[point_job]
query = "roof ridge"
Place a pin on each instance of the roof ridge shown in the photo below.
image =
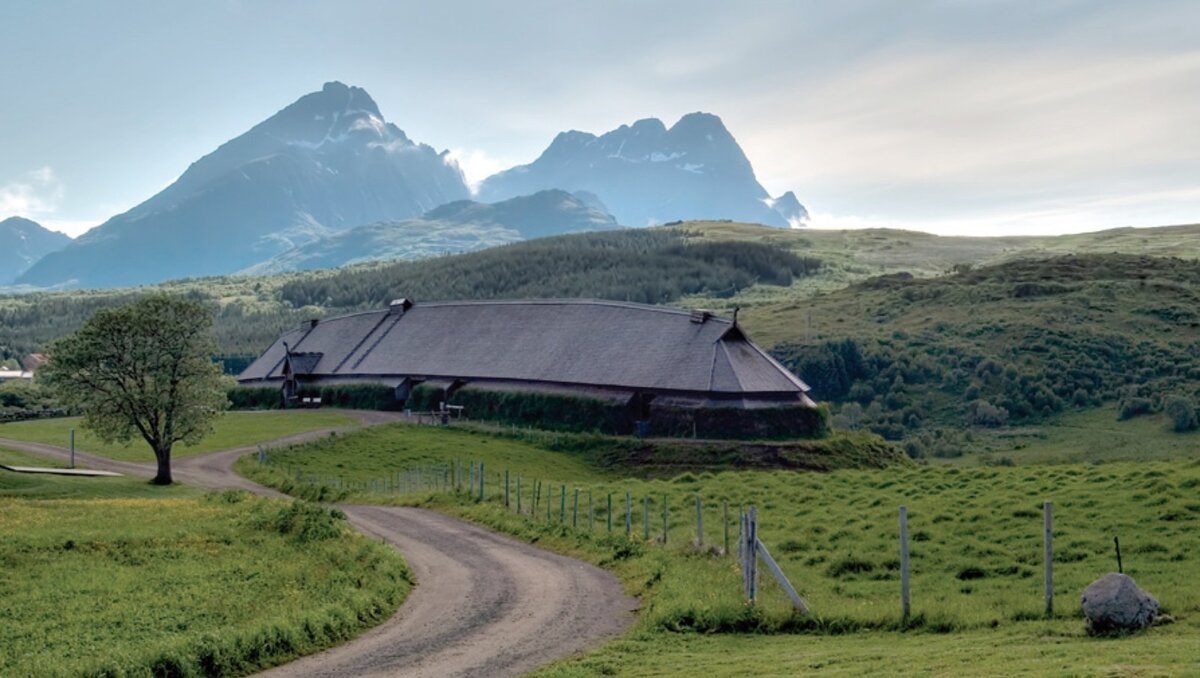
(568, 302)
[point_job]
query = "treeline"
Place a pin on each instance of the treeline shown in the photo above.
(1008, 344)
(649, 266)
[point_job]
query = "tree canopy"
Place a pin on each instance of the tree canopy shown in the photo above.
(145, 370)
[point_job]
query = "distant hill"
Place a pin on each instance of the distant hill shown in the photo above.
(648, 174)
(22, 243)
(460, 226)
(325, 163)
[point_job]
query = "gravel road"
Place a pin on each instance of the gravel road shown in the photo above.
(484, 604)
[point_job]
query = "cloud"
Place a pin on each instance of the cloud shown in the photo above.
(476, 165)
(34, 195)
(1152, 208)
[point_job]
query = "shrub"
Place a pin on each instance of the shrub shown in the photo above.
(1132, 407)
(1182, 414)
(983, 413)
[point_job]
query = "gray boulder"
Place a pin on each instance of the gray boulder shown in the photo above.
(1115, 604)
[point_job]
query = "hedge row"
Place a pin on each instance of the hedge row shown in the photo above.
(567, 413)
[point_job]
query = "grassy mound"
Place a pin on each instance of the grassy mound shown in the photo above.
(107, 581)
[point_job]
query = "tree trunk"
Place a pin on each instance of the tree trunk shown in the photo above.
(164, 467)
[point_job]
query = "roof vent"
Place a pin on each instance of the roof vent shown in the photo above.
(399, 306)
(699, 316)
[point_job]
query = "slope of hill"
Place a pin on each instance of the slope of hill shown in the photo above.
(327, 162)
(1010, 343)
(649, 174)
(22, 243)
(460, 226)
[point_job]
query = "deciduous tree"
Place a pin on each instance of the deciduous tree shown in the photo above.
(145, 370)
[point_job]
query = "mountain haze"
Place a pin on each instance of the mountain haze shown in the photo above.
(460, 226)
(649, 174)
(22, 243)
(325, 163)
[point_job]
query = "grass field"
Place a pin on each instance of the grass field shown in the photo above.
(1034, 649)
(113, 576)
(1086, 436)
(976, 556)
(233, 429)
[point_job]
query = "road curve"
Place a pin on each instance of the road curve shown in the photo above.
(484, 604)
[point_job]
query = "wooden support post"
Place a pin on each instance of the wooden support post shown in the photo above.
(610, 511)
(73, 448)
(797, 602)
(646, 518)
(549, 503)
(664, 517)
(905, 603)
(481, 481)
(751, 570)
(575, 510)
(562, 505)
(506, 503)
(628, 514)
(518, 494)
(725, 517)
(1048, 543)
(699, 522)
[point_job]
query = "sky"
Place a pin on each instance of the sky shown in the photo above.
(954, 117)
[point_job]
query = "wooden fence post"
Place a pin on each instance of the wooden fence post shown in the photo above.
(591, 515)
(506, 502)
(1048, 543)
(562, 508)
(725, 517)
(575, 510)
(751, 555)
(481, 481)
(610, 511)
(664, 517)
(905, 606)
(628, 514)
(646, 518)
(699, 523)
(518, 494)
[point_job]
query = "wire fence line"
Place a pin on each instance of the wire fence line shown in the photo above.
(618, 513)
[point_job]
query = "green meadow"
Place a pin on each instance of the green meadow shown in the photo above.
(115, 577)
(976, 549)
(233, 429)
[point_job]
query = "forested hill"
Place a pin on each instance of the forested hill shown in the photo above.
(650, 266)
(1014, 343)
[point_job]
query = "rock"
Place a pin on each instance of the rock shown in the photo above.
(1115, 604)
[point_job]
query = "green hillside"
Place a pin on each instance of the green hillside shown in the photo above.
(923, 334)
(1012, 343)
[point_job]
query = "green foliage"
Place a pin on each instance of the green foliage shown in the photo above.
(1011, 344)
(142, 370)
(352, 396)
(651, 266)
(1182, 412)
(1128, 408)
(20, 400)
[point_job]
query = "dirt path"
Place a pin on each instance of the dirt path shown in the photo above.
(485, 605)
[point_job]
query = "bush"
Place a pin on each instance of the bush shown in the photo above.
(1128, 408)
(983, 413)
(1182, 414)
